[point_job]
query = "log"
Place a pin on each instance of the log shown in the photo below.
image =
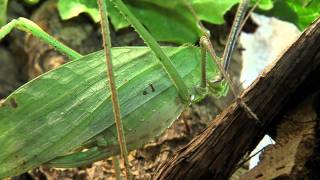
(215, 153)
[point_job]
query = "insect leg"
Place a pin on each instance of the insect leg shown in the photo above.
(26, 25)
(163, 58)
(3, 11)
(203, 82)
(207, 44)
(80, 158)
(102, 4)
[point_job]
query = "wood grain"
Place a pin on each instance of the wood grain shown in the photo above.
(214, 153)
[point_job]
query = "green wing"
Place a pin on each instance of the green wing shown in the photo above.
(63, 109)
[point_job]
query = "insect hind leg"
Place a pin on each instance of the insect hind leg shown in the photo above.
(26, 25)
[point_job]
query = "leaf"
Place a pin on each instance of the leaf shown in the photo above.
(116, 18)
(212, 10)
(172, 21)
(3, 12)
(167, 24)
(72, 8)
(264, 4)
(299, 12)
(31, 2)
(307, 11)
(207, 10)
(167, 20)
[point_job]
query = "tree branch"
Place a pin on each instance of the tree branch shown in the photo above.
(216, 151)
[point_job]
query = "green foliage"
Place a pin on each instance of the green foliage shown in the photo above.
(3, 12)
(73, 8)
(31, 2)
(264, 4)
(171, 20)
(167, 20)
(299, 12)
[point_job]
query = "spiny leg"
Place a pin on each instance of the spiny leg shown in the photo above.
(235, 31)
(102, 4)
(163, 58)
(205, 43)
(203, 82)
(26, 25)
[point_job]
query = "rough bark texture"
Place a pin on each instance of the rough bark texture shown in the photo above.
(296, 143)
(214, 154)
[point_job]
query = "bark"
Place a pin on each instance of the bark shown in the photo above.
(296, 145)
(215, 152)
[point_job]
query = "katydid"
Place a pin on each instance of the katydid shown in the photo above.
(51, 119)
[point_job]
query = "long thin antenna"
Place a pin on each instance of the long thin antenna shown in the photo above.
(248, 15)
(235, 29)
(237, 25)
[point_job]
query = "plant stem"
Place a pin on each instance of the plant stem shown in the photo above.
(114, 95)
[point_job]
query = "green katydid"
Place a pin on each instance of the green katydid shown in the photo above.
(51, 119)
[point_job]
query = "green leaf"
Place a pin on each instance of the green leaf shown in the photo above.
(264, 4)
(167, 20)
(116, 18)
(72, 8)
(212, 10)
(207, 10)
(3, 12)
(307, 11)
(299, 12)
(167, 24)
(31, 2)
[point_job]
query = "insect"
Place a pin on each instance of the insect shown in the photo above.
(52, 118)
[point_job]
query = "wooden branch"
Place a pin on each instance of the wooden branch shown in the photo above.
(295, 147)
(214, 153)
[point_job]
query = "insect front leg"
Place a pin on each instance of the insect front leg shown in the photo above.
(205, 43)
(26, 25)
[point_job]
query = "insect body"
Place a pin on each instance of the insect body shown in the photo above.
(68, 108)
(52, 118)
